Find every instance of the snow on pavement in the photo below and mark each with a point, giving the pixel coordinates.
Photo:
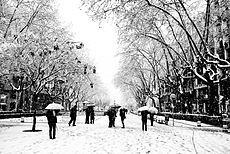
(98, 138)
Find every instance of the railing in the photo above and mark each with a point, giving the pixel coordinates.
(11, 114)
(8, 114)
(212, 120)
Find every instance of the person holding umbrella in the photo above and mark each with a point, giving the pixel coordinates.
(152, 110)
(52, 110)
(144, 116)
(114, 110)
(87, 114)
(112, 115)
(52, 120)
(87, 106)
(91, 115)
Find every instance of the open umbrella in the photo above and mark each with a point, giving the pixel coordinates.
(91, 105)
(143, 108)
(115, 106)
(153, 110)
(54, 106)
(123, 108)
(87, 102)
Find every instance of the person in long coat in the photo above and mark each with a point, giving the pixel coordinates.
(112, 115)
(73, 115)
(144, 117)
(92, 115)
(52, 120)
(114, 111)
(87, 114)
(151, 117)
(123, 111)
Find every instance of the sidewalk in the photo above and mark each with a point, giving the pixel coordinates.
(193, 125)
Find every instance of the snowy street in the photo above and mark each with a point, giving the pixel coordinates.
(98, 138)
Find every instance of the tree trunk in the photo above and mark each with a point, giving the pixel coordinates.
(213, 102)
(18, 99)
(34, 121)
(34, 101)
(219, 49)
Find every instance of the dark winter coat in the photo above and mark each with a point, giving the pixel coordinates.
(144, 115)
(73, 111)
(122, 113)
(51, 117)
(111, 113)
(92, 114)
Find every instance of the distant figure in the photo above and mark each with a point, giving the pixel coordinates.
(123, 111)
(112, 115)
(52, 120)
(144, 115)
(151, 116)
(87, 113)
(73, 115)
(92, 114)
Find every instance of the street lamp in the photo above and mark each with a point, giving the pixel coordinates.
(173, 99)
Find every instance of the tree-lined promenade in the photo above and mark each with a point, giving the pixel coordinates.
(174, 55)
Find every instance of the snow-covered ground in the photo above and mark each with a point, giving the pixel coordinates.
(182, 138)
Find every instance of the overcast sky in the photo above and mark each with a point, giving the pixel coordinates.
(100, 40)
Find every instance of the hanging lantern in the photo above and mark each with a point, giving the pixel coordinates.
(32, 54)
(94, 70)
(85, 69)
(91, 84)
(172, 96)
(80, 46)
(56, 47)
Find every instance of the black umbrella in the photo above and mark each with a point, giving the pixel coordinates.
(115, 106)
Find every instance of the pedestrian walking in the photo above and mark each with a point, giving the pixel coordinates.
(123, 111)
(52, 120)
(73, 115)
(144, 116)
(87, 114)
(92, 114)
(151, 117)
(112, 115)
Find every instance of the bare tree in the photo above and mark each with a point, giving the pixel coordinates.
(182, 29)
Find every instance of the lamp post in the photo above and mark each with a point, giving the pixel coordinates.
(172, 112)
(173, 99)
(206, 98)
